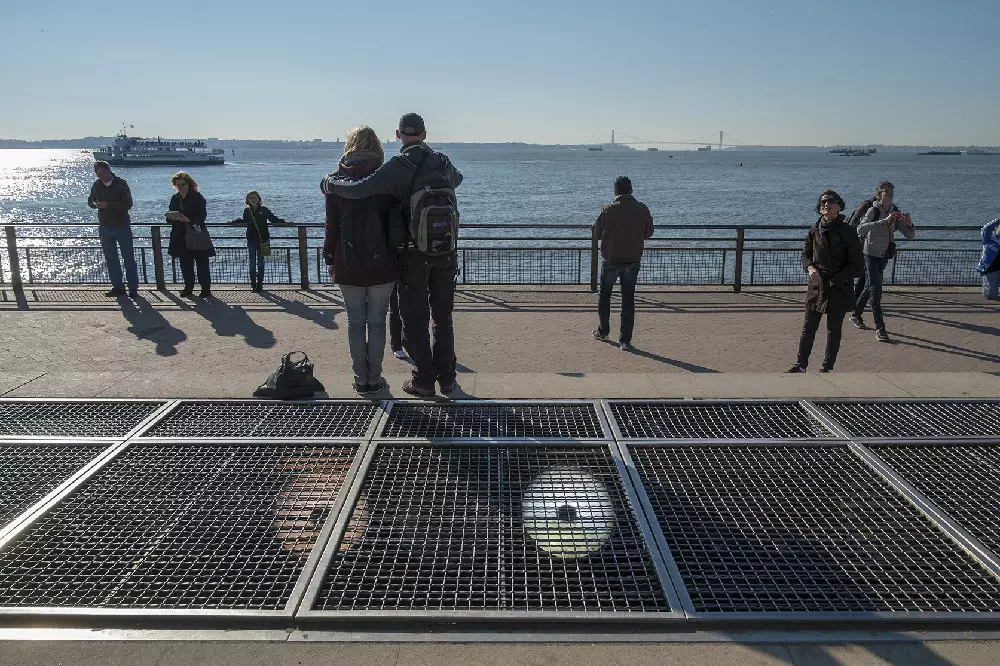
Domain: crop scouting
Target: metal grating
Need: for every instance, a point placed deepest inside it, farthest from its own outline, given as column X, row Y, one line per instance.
column 964, row 481
column 474, row 420
column 28, row 472
column 798, row 529
column 747, row 420
column 239, row 419
column 72, row 419
column 485, row 527
column 916, row 418
column 180, row 527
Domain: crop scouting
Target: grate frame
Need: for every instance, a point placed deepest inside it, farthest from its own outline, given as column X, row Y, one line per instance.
column 149, row 433
column 309, row 616
column 158, row 407
column 800, row 406
column 938, row 521
column 600, row 420
column 138, row 616
column 906, row 411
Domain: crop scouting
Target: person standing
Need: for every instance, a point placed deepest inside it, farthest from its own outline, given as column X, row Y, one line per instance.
column 622, row 229
column 112, row 198
column 877, row 228
column 360, row 260
column 832, row 258
column 256, row 216
column 989, row 263
column 429, row 262
column 188, row 208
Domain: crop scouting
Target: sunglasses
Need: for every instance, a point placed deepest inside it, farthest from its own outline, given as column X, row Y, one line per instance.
column 826, row 202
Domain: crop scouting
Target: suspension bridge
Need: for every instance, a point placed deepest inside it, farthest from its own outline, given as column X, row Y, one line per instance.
column 723, row 140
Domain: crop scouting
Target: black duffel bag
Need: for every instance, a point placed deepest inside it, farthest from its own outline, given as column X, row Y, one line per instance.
column 291, row 381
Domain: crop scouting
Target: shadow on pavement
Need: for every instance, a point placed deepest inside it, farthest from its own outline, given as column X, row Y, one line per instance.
column 229, row 321
column 321, row 316
column 146, row 323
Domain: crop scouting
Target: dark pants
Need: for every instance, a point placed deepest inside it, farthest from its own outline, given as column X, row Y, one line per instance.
column 395, row 323
column 256, row 264
column 187, row 262
column 113, row 238
column 427, row 292
column 834, row 329
column 869, row 286
column 629, row 274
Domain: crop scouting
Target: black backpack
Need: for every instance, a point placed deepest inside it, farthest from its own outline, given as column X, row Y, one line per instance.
column 363, row 243
column 291, row 381
column 859, row 213
column 433, row 214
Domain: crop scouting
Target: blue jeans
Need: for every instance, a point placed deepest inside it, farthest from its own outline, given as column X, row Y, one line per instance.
column 869, row 286
column 629, row 274
column 991, row 285
column 366, row 309
column 111, row 239
column 256, row 264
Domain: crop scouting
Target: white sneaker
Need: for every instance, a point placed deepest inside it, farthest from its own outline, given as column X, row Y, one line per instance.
column 400, row 354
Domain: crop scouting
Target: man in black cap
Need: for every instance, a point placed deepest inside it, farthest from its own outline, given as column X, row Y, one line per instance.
column 427, row 282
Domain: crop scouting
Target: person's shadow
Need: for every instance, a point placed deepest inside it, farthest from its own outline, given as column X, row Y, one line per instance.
column 321, row 316
column 146, row 323
column 229, row 321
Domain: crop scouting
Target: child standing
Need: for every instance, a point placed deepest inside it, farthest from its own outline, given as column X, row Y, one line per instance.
column 256, row 216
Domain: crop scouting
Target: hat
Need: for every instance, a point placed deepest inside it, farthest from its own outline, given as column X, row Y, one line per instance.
column 411, row 125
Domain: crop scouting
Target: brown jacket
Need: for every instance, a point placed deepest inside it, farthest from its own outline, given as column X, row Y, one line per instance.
column 622, row 227
column 835, row 251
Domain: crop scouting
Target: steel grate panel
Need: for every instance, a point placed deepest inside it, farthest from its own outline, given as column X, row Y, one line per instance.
column 487, row 527
column 180, row 527
column 28, row 472
column 493, row 421
column 916, row 419
column 72, row 419
column 798, row 529
column 964, row 481
column 238, row 419
column 747, row 420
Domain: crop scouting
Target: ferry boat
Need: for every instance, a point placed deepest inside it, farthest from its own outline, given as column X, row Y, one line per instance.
column 137, row 151
column 941, row 152
column 702, row 149
column 595, row 149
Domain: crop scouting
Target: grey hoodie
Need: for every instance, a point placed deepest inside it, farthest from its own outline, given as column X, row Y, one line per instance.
column 876, row 235
column 394, row 177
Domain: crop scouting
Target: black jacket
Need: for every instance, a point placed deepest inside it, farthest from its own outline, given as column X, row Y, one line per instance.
column 835, row 251
column 195, row 208
column 256, row 223
column 119, row 199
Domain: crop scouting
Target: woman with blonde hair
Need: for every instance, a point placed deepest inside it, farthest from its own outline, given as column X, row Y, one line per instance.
column 360, row 260
column 189, row 209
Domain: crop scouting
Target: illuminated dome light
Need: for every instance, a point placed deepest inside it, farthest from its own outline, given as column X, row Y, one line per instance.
column 568, row 513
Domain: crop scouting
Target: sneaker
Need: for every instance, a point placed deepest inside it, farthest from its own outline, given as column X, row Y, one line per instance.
column 826, row 369
column 881, row 335
column 187, row 292
column 859, row 322
column 795, row 368
column 133, row 293
column 205, row 293
column 419, row 391
column 600, row 336
column 360, row 388
column 448, row 388
column 625, row 346
column 378, row 385
column 257, row 287
column 399, row 353
column 115, row 291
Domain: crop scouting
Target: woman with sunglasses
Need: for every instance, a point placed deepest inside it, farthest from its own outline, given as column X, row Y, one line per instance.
column 832, row 257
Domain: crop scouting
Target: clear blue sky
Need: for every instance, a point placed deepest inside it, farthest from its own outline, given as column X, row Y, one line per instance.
column 767, row 71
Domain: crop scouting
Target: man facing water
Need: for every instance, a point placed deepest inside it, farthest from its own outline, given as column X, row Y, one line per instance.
column 112, row 198
column 622, row 228
column 427, row 282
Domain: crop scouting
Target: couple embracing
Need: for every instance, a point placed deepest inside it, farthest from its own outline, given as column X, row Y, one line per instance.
column 394, row 225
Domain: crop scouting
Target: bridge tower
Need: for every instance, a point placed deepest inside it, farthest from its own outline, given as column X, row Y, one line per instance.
column 720, row 139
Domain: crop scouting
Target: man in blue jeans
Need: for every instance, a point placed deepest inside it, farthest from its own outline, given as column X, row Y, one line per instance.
column 113, row 200
column 622, row 229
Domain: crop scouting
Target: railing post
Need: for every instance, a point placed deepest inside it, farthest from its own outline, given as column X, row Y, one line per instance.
column 12, row 260
column 738, row 261
column 303, row 259
column 593, row 263
column 161, row 283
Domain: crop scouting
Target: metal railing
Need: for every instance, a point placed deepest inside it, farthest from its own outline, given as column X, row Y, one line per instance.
column 555, row 254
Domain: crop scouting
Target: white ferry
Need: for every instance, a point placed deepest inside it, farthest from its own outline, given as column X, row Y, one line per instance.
column 137, row 151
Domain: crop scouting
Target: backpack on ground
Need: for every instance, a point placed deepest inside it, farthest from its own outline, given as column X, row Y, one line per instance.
column 291, row 381
column 433, row 225
column 363, row 243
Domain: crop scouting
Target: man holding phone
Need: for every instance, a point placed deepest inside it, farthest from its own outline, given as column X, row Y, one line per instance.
column 112, row 198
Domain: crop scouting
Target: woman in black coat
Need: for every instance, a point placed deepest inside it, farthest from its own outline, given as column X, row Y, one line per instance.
column 832, row 258
column 188, row 208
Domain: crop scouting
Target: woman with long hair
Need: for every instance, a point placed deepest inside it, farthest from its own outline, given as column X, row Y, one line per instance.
column 832, row 258
column 188, row 209
column 255, row 217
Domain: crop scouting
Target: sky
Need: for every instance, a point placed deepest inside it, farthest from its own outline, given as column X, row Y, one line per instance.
column 772, row 72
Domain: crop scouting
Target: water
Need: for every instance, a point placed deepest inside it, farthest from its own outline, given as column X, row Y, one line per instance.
column 537, row 186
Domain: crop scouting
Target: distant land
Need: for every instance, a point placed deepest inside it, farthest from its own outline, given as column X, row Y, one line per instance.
column 89, row 142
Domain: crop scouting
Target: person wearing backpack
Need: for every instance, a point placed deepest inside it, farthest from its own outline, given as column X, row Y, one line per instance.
column 360, row 259
column 876, row 226
column 424, row 181
column 832, row 258
column 989, row 263
column 255, row 217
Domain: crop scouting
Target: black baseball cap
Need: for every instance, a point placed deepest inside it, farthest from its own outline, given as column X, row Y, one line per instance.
column 411, row 124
